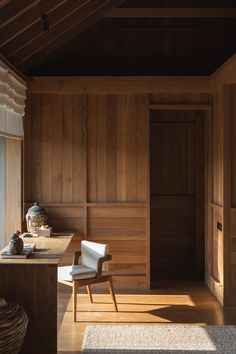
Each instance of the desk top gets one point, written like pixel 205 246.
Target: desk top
pixel 49 250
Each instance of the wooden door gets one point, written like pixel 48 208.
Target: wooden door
pixel 177 193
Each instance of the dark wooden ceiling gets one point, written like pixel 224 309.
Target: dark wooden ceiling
pixel 114 37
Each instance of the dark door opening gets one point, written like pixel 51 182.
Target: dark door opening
pixel 177 195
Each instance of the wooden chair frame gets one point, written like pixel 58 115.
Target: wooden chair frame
pixel 99 278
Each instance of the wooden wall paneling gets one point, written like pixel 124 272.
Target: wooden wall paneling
pixel 172 230
pixel 84 169
pixel 131 165
pixel 215 238
pixel 233 147
pixel 217 246
pixel 79 119
pixel 148 208
pixel 111 149
pixel 27 170
pixel 47 133
pixel 200 192
pixel 56 121
pixel 177 98
pixel 67 218
pixel 67 150
pixel 180 107
pixel 92 149
pixel 130 282
pixel 117 123
pixel 121 147
pixel 142 122
pixel 124 229
pixel 101 175
pixel 233 223
pixel 12 187
pixel 36 154
pixel 218 149
pixel 208 195
pixel 227 149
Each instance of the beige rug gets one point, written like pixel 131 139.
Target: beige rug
pixel 169 338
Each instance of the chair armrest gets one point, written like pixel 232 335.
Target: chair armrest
pixel 77 254
pixel 101 260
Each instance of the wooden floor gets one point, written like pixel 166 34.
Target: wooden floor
pixel 182 302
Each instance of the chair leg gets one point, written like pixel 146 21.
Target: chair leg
pixel 110 285
pixel 89 293
pixel 74 300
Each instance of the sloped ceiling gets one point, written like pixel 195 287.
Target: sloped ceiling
pixel 94 37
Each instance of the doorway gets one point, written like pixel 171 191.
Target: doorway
pixel 177 195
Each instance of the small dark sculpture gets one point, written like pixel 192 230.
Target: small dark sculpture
pixel 16 244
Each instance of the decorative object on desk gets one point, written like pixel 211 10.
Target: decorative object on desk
pixel 35 218
pixel 13 326
pixel 28 248
pixel 45 231
pixel 15 245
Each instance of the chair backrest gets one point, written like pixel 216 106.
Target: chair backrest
pixel 91 251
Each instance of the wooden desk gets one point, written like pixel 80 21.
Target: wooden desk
pixel 32 283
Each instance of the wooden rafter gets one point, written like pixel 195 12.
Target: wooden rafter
pixel 55 15
pixel 67 29
pixel 15 8
pixel 124 12
pixel 60 22
pixel 26 20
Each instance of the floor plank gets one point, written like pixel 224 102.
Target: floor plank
pixel 172 302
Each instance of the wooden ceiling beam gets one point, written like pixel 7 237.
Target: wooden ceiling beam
pixel 36 30
pixel 124 12
pixel 59 22
pixel 26 20
pixel 15 8
pixel 56 12
pixel 70 27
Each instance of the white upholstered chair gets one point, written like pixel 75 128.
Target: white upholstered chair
pixel 89 271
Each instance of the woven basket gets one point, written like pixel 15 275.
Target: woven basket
pixel 13 326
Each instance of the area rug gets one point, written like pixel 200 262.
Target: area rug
pixel 164 339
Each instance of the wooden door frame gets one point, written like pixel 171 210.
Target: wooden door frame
pixel 207 109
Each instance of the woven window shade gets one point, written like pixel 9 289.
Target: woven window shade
pixel 12 103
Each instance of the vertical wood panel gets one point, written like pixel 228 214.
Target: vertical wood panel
pixel 131 150
pixel 47 132
pixel 200 192
pixel 79 117
pixel 111 149
pixel 27 171
pixel 36 156
pixel 92 148
pixel 121 147
pixel 101 148
pixel 233 146
pixel 227 117
pixel 56 122
pixel 218 149
pixel 67 150
pixel 142 147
